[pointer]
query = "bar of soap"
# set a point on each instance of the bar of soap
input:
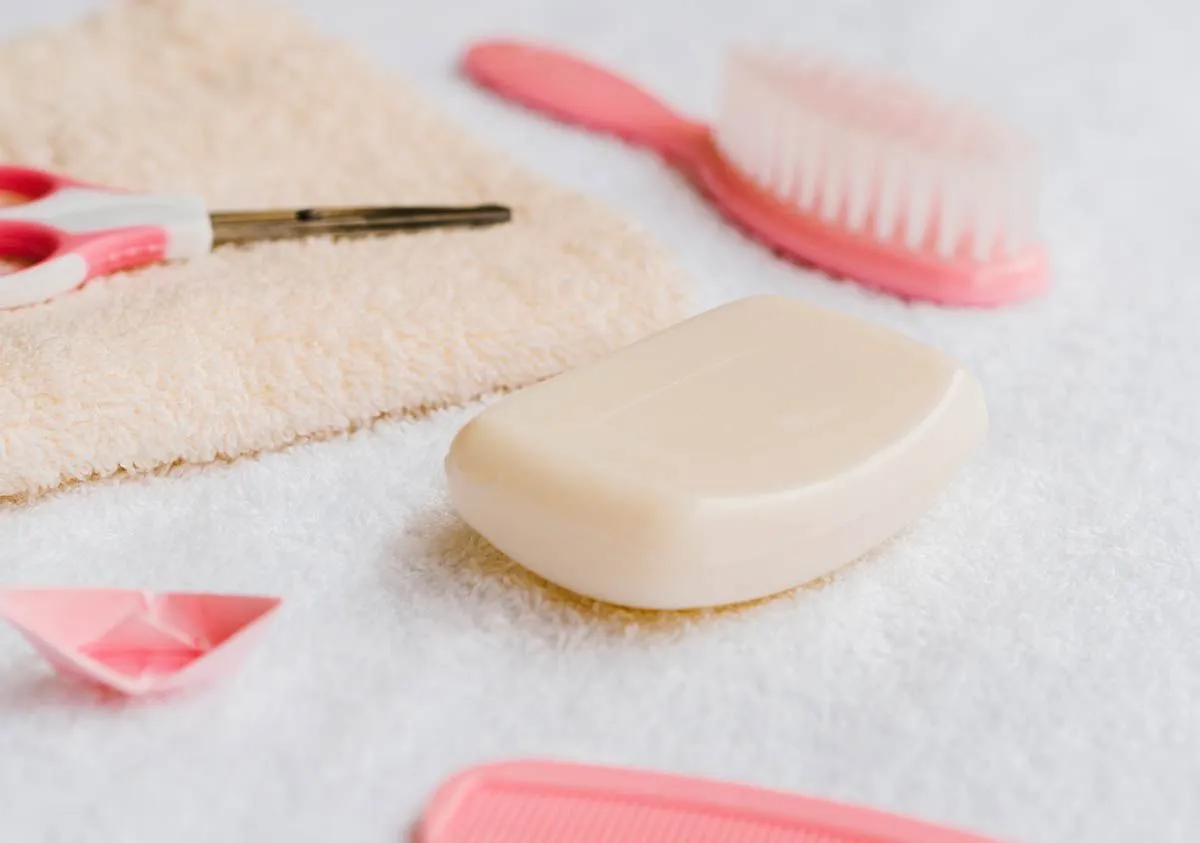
(740, 453)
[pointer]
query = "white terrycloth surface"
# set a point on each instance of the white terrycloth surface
(1024, 662)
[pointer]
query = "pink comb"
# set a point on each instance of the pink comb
(551, 802)
(136, 642)
(858, 175)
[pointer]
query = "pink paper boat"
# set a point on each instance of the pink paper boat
(138, 642)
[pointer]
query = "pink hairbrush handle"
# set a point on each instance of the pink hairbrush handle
(575, 91)
(538, 801)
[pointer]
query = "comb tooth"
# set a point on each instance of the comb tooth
(473, 828)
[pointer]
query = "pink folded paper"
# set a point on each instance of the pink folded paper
(137, 642)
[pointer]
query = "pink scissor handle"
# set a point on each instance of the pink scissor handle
(73, 231)
(32, 184)
(576, 91)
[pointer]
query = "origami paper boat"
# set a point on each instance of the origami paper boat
(138, 642)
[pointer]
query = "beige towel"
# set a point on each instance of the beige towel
(254, 348)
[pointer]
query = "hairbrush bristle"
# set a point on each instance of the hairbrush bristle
(878, 156)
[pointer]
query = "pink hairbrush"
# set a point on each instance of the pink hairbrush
(549, 802)
(858, 175)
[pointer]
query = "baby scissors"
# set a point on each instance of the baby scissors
(73, 231)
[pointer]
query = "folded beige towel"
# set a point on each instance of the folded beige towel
(254, 348)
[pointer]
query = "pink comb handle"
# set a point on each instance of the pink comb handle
(551, 802)
(576, 91)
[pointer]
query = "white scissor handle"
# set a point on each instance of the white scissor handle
(74, 232)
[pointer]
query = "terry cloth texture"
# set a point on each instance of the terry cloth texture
(253, 348)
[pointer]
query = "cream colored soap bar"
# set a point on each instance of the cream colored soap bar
(740, 453)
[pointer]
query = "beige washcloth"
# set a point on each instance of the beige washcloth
(254, 348)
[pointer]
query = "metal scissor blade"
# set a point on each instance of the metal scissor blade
(250, 226)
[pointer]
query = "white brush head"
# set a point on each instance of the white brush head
(877, 156)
